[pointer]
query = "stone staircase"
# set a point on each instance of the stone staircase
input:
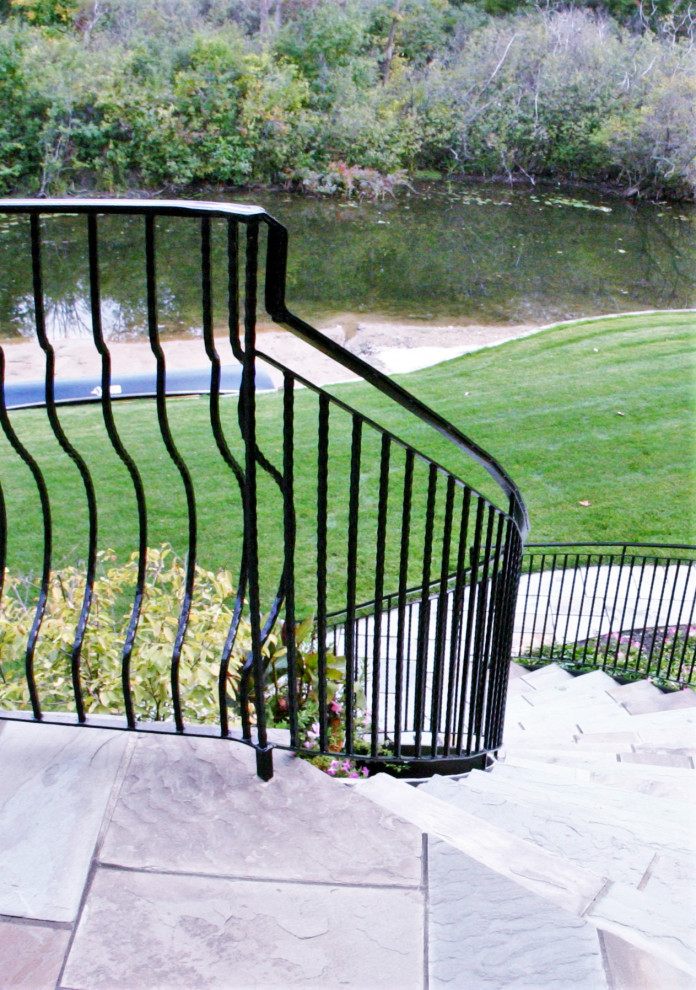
(571, 862)
(156, 862)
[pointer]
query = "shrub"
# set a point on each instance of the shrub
(102, 648)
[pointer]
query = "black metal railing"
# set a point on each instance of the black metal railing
(309, 506)
(629, 609)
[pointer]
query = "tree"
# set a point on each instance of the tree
(45, 12)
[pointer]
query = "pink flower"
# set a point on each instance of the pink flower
(365, 772)
(347, 765)
(353, 773)
(336, 706)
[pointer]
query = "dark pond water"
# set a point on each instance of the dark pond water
(454, 254)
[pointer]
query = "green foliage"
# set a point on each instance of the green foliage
(19, 123)
(533, 95)
(666, 656)
(45, 12)
(306, 691)
(158, 94)
(322, 38)
(101, 655)
(653, 147)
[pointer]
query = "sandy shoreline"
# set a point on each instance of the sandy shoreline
(391, 347)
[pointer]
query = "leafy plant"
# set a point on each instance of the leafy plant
(102, 649)
(306, 691)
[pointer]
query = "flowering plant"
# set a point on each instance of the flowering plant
(346, 768)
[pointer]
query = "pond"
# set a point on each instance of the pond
(451, 253)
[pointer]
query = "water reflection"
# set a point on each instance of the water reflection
(457, 254)
(70, 317)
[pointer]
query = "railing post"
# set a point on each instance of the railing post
(264, 761)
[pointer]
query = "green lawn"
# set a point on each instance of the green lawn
(602, 411)
(547, 407)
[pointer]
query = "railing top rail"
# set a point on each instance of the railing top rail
(276, 268)
(141, 207)
(374, 425)
(619, 544)
(276, 265)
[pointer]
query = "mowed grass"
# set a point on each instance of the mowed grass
(600, 412)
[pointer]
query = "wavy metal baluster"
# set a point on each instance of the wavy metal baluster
(165, 431)
(260, 459)
(227, 456)
(503, 634)
(351, 579)
(493, 619)
(40, 482)
(233, 331)
(478, 679)
(117, 443)
(289, 533)
(74, 456)
(468, 682)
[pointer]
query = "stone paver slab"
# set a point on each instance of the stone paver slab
(546, 677)
(638, 696)
(670, 783)
(549, 875)
(194, 805)
(558, 830)
(485, 931)
(162, 932)
(655, 926)
(633, 818)
(31, 955)
(649, 758)
(632, 969)
(54, 788)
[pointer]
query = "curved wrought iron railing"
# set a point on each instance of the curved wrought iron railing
(627, 608)
(325, 509)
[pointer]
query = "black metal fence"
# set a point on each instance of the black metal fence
(629, 609)
(199, 565)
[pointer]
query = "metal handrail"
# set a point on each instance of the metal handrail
(626, 608)
(276, 271)
(624, 544)
(438, 695)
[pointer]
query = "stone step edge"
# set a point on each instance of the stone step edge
(541, 760)
(608, 906)
(622, 777)
(559, 682)
(559, 717)
(574, 691)
(584, 800)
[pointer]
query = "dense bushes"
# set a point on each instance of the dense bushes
(111, 94)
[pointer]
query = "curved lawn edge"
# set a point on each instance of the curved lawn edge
(580, 321)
